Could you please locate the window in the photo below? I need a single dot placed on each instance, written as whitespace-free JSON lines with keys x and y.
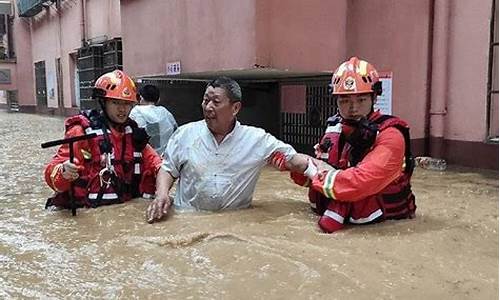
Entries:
{"x":492,"y":101}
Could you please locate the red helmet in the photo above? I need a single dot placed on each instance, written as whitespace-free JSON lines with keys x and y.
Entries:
{"x":356,"y":76}
{"x":116,"y":85}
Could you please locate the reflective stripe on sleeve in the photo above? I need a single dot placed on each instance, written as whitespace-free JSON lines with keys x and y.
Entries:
{"x":57,"y":168}
{"x":328,"y":184}
{"x":147,"y":196}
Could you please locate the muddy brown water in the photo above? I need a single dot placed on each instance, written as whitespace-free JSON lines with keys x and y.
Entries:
{"x":271,"y":251}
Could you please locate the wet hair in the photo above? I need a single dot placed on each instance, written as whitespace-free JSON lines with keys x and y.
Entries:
{"x":231,"y":87}
{"x":150,"y":93}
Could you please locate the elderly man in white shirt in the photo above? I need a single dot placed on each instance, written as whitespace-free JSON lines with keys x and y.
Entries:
{"x":218,"y":160}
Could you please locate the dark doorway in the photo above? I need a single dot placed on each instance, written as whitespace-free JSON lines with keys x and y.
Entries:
{"x":261,"y":106}
{"x":181,"y":97}
{"x":60,"y":94}
{"x":40,"y":86}
{"x":304,"y":129}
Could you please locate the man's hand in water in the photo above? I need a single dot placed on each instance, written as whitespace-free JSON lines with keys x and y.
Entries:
{"x":157,"y":209}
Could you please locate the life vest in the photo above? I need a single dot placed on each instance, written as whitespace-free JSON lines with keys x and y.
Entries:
{"x":396,"y":201}
{"x":98,"y":186}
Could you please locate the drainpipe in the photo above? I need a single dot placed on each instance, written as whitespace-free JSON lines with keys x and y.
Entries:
{"x":428,"y":84}
{"x":439,"y":78}
{"x":84,"y":22}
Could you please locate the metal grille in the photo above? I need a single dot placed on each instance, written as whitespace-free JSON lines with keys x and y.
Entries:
{"x":304,"y":130}
{"x":112,"y":55}
{"x":89,"y":64}
{"x":93,"y":61}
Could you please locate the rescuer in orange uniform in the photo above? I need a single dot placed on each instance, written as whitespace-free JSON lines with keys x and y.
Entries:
{"x":116,"y":165}
{"x":369,"y":154}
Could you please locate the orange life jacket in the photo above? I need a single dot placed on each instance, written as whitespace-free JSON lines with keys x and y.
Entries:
{"x":92,"y":189}
{"x":397,"y":200}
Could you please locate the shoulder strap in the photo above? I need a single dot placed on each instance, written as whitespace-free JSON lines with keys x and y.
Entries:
{"x":405,"y":131}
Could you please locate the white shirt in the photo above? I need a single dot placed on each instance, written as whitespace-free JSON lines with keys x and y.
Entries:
{"x":218,"y":176}
{"x":159,"y":124}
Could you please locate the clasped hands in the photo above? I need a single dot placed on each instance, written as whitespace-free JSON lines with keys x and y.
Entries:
{"x":317,"y":167}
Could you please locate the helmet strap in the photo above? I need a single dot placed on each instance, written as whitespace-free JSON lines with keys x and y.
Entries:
{"x":109,"y":122}
{"x":377,"y":88}
{"x":102,"y":103}
{"x":374,"y":98}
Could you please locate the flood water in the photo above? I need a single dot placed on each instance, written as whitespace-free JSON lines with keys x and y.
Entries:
{"x":271,"y":251}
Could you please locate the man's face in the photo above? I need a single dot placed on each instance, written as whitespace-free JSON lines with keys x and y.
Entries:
{"x":218,"y":110}
{"x":118,"y":110}
{"x":354,"y":107}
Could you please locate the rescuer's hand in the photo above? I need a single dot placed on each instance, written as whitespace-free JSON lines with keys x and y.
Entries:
{"x":69,"y":171}
{"x":311,"y":170}
{"x":323,"y":166}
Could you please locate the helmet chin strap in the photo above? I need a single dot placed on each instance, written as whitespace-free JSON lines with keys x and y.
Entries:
{"x":109,"y":121}
{"x":374,"y":97}
{"x":102,"y":103}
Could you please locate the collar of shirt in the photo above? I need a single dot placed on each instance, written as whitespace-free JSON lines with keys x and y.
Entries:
{"x":236,"y":128}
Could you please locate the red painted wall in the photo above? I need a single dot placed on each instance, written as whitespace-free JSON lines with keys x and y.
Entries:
{"x":25,"y":74}
{"x":301,"y":35}
{"x":440,"y":69}
{"x":394,"y":36}
{"x":52,"y":34}
{"x":204,"y":35}
{"x":468,"y":70}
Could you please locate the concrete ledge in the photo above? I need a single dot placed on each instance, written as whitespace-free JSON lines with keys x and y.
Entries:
{"x":472,"y":154}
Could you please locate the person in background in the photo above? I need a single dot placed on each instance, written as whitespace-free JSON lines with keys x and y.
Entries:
{"x":157,"y":120}
{"x":217,"y":160}
{"x":370,"y":155}
{"x":113,"y":167}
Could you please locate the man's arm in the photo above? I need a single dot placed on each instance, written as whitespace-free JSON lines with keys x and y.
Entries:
{"x":299,"y":163}
{"x":159,"y":207}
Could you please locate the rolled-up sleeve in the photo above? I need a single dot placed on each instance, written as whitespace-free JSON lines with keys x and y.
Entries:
{"x":172,"y":155}
{"x":272,"y":144}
